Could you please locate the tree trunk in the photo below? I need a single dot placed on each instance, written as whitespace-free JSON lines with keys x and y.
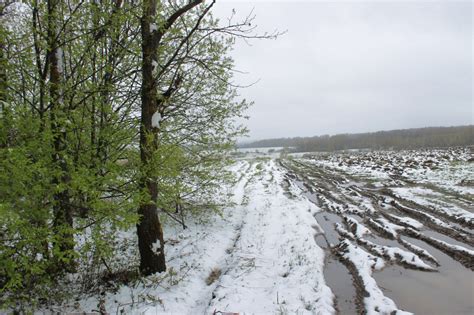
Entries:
{"x":63,"y":221}
{"x":5,"y":112}
{"x":3,"y":60}
{"x":149,"y":230}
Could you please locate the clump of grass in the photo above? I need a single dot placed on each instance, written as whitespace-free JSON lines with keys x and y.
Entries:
{"x":213,"y":276}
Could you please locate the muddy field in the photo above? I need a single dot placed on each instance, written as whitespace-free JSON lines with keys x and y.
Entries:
{"x":397,"y":227}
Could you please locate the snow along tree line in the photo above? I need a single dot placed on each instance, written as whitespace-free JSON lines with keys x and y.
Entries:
{"x":114,"y":114}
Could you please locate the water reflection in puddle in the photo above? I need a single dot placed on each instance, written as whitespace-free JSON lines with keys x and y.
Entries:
{"x":326,"y":221}
{"x":339,"y":280}
{"x":449,"y":291}
{"x":445,"y":238}
{"x":336,"y":274}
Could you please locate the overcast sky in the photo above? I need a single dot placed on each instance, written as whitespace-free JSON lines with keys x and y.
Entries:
{"x":356,"y":66}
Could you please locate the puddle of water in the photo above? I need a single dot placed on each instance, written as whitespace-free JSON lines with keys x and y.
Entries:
{"x":321,"y":241}
{"x":461,"y":228}
{"x":449,"y":291}
{"x":357,"y":217}
{"x":382,"y":241}
{"x":339,"y":280}
{"x":312,"y":197}
{"x":326,"y":221}
{"x":428,"y":232}
{"x":446,"y":239}
{"x":446,"y":261}
{"x":336,"y":274}
{"x":374,"y":237}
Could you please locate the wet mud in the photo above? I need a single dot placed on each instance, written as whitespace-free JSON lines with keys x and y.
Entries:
{"x":444,"y":282}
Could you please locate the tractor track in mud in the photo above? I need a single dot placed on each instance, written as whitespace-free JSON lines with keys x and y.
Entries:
{"x":404,"y":206}
{"x":342,"y":195}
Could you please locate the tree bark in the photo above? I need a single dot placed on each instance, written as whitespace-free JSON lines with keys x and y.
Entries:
{"x":63,"y":221}
{"x":149,"y":230}
{"x":5,"y":113}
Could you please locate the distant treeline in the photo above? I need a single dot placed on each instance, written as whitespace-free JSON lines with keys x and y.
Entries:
{"x":394,"y":139}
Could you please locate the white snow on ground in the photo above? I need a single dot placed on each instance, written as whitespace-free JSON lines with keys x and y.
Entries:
{"x":276,"y":265}
{"x":392,"y":254}
{"x":191,"y":255}
{"x":408,"y":221}
{"x":262,"y":250}
{"x":357,"y":228}
{"x":367,"y":205}
{"x":429,"y":217}
{"x":448,"y":177}
{"x":445,"y":168}
{"x":395,"y":253}
{"x":422,"y":197}
{"x":455,"y":247}
{"x":389,"y":226}
{"x":388,"y":229}
{"x":419,"y":250}
{"x":376,"y":302}
{"x":262,"y":254}
{"x":338,"y":208}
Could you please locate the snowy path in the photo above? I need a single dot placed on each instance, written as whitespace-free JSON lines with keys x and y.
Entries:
{"x":275,"y":264}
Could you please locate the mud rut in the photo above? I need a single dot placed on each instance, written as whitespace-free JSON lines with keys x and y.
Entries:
{"x":443,"y":241}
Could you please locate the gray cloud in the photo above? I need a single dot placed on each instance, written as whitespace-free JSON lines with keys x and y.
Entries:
{"x":356,"y":66}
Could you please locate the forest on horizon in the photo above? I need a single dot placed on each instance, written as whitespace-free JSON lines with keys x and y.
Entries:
{"x":414,"y":138}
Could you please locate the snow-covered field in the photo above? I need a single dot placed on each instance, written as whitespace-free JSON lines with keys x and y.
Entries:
{"x":399,"y":228}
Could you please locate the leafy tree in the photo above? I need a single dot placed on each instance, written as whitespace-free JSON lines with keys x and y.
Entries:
{"x":108,"y":107}
{"x":185,"y":86}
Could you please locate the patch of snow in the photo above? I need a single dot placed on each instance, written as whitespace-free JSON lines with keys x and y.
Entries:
{"x":386,"y":229}
{"x":389,"y":226}
{"x":432,"y":199}
{"x":423,"y":252}
{"x":393,"y":254}
{"x":408,"y":221}
{"x":458,"y":248}
{"x":357,"y":228}
{"x":397,"y":254}
{"x":155,"y":247}
{"x":154,"y":66}
{"x":375,"y":302}
{"x":155,"y":120}
{"x":59,"y":57}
